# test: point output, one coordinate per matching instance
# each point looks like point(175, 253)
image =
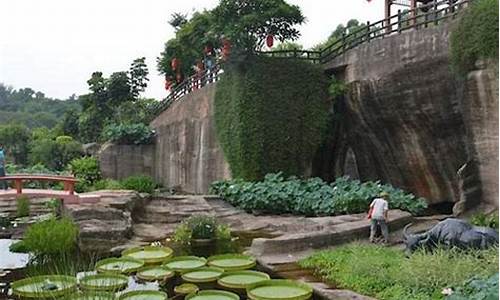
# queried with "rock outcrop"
point(107, 224)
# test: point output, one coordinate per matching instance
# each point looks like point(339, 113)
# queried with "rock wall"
point(121, 161)
point(479, 105)
point(404, 119)
point(187, 154)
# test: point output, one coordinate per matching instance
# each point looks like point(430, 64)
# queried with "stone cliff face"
point(187, 154)
point(409, 121)
point(479, 106)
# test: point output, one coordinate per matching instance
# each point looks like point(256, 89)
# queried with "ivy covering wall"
point(271, 115)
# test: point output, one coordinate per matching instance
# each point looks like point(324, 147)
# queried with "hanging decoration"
point(175, 63)
point(270, 40)
point(226, 49)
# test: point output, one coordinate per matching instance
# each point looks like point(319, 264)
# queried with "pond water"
point(10, 260)
point(240, 242)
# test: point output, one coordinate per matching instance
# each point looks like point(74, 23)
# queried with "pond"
point(216, 276)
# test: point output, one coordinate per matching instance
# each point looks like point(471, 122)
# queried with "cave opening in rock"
point(443, 208)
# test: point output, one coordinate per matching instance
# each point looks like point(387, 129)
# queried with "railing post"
point(435, 6)
point(368, 31)
point(19, 186)
point(343, 42)
point(400, 25)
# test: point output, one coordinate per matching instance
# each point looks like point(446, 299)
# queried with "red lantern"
point(270, 40)
point(175, 63)
point(226, 48)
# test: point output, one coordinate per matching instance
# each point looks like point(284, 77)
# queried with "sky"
point(53, 46)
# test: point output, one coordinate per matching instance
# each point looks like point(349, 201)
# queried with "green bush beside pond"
point(312, 197)
point(385, 273)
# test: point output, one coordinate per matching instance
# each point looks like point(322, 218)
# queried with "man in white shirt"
point(379, 208)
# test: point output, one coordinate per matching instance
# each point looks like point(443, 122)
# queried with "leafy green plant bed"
point(385, 273)
point(312, 197)
point(477, 289)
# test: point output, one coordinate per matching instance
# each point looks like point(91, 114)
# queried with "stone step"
point(147, 232)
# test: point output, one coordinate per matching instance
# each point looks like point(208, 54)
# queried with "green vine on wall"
point(271, 115)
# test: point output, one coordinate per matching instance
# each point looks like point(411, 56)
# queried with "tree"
point(177, 20)
point(352, 26)
point(118, 89)
point(69, 123)
point(15, 138)
point(138, 74)
point(246, 23)
point(287, 46)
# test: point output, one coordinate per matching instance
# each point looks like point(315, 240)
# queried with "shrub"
point(19, 247)
point(23, 206)
point(311, 197)
point(129, 134)
point(200, 227)
point(477, 289)
point(51, 237)
point(385, 273)
point(481, 219)
point(87, 170)
point(271, 115)
point(139, 183)
point(475, 36)
point(107, 184)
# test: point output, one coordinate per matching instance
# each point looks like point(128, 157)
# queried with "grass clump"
point(484, 220)
point(51, 238)
point(23, 207)
point(385, 273)
point(475, 36)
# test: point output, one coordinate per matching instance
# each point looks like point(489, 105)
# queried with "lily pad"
point(44, 286)
point(212, 295)
point(185, 263)
point(241, 279)
point(155, 273)
point(279, 289)
point(93, 296)
point(203, 274)
point(232, 262)
point(149, 254)
point(125, 265)
point(186, 288)
point(143, 295)
point(104, 282)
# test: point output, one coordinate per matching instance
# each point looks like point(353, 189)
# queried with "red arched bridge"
point(427, 13)
point(68, 194)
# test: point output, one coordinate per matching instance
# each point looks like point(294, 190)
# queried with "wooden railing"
point(424, 16)
point(430, 14)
